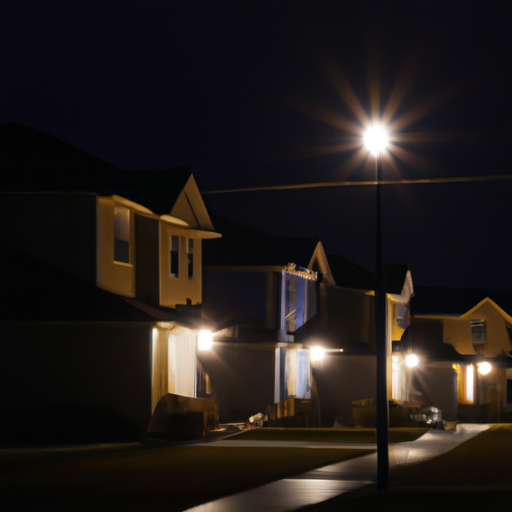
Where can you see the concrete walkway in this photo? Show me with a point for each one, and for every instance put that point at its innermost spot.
(324, 483)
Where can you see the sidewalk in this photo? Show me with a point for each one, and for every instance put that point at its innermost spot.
(472, 476)
(355, 475)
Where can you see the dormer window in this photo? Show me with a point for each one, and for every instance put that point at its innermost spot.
(175, 255)
(190, 257)
(121, 234)
(477, 331)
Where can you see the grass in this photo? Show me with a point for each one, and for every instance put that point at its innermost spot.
(472, 477)
(170, 478)
(342, 435)
(483, 460)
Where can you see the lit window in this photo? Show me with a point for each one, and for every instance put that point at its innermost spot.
(121, 234)
(190, 257)
(470, 384)
(477, 331)
(174, 255)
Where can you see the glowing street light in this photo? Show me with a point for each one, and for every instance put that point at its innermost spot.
(375, 140)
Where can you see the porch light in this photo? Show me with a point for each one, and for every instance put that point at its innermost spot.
(204, 340)
(317, 353)
(484, 368)
(412, 360)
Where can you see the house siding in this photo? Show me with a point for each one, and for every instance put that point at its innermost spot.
(177, 290)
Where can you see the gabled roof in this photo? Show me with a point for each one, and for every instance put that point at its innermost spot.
(349, 275)
(242, 246)
(492, 304)
(33, 161)
(36, 291)
(430, 300)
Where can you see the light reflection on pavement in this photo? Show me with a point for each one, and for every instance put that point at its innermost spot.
(329, 481)
(287, 494)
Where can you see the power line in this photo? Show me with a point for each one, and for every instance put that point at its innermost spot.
(327, 184)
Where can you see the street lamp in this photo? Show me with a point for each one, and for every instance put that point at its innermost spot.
(375, 141)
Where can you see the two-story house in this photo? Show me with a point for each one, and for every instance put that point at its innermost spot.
(101, 289)
(343, 336)
(465, 359)
(301, 331)
(259, 290)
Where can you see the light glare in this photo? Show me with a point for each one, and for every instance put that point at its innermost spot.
(376, 139)
(484, 368)
(317, 353)
(412, 360)
(204, 340)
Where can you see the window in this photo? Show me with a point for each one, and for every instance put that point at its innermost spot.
(121, 234)
(469, 395)
(190, 257)
(174, 255)
(508, 376)
(396, 390)
(477, 331)
(297, 374)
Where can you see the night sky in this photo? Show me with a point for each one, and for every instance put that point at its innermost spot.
(258, 93)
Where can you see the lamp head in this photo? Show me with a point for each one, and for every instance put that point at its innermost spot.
(376, 139)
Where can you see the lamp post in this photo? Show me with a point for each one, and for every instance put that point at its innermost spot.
(375, 140)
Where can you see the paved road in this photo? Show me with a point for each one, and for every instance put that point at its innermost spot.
(324, 483)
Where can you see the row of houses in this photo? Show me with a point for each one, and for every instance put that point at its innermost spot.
(116, 324)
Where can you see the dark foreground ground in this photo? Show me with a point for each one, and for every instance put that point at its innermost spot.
(474, 476)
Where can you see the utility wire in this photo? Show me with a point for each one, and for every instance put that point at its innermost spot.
(327, 184)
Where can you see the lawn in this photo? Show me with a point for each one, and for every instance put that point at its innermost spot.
(341, 435)
(170, 478)
(473, 476)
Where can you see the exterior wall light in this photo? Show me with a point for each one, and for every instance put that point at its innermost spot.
(317, 353)
(412, 360)
(484, 368)
(204, 340)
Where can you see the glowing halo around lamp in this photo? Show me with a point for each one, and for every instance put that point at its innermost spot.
(376, 139)
(412, 360)
(484, 368)
(204, 340)
(317, 353)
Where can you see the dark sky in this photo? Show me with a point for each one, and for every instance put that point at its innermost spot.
(245, 92)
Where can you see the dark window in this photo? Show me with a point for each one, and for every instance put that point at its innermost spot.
(121, 234)
(175, 255)
(509, 330)
(190, 256)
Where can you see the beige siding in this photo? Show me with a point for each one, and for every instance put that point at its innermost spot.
(176, 290)
(113, 276)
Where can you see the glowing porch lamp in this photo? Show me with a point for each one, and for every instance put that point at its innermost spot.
(484, 368)
(317, 353)
(204, 340)
(412, 360)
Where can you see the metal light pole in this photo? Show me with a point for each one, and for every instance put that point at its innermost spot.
(375, 141)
